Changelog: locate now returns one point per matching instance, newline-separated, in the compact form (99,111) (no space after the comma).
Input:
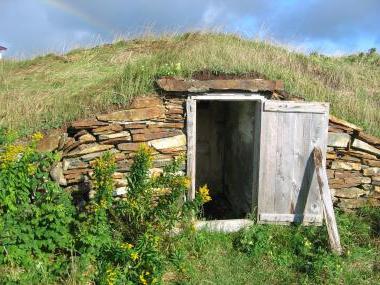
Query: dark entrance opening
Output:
(225,142)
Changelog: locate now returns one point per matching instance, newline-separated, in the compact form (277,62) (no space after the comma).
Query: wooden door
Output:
(288,189)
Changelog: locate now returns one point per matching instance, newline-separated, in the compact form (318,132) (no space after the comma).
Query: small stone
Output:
(331,155)
(330,173)
(87,124)
(56,174)
(121,183)
(147,136)
(87,138)
(345,165)
(371,162)
(366,180)
(121,191)
(118,175)
(358,144)
(367,187)
(92,156)
(377,189)
(345,174)
(338,140)
(129,146)
(376,178)
(171,142)
(73,164)
(89,149)
(370,171)
(174,150)
(153,172)
(109,129)
(134,125)
(124,134)
(338,183)
(352,203)
(351,193)
(62,141)
(49,142)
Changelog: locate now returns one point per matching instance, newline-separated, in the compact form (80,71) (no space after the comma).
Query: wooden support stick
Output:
(332,228)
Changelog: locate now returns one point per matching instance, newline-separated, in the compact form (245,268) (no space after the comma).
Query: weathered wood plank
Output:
(319,133)
(256,156)
(328,208)
(198,86)
(292,218)
(191,120)
(295,107)
(230,97)
(284,154)
(267,166)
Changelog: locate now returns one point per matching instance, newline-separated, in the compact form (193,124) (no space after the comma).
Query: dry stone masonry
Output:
(150,120)
(353,165)
(353,157)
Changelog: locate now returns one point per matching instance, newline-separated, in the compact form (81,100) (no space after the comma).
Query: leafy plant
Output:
(35,214)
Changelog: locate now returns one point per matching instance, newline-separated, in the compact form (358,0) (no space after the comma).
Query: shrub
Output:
(125,237)
(35,214)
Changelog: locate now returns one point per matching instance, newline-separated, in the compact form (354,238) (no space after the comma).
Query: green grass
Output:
(49,91)
(265,254)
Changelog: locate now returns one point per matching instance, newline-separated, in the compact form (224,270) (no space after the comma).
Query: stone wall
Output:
(353,165)
(353,158)
(157,122)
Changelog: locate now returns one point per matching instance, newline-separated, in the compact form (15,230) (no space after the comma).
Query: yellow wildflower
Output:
(11,153)
(111,276)
(142,279)
(126,245)
(204,192)
(134,256)
(187,182)
(37,136)
(32,169)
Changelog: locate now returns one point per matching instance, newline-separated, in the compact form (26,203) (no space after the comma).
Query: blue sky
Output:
(32,27)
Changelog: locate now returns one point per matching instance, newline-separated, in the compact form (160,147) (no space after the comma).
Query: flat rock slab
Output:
(87,124)
(358,144)
(171,142)
(344,123)
(89,149)
(134,114)
(197,86)
(49,142)
(338,139)
(350,193)
(343,165)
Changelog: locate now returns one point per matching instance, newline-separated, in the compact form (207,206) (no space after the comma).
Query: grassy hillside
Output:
(48,91)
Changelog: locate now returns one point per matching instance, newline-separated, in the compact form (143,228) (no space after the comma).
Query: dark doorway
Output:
(225,142)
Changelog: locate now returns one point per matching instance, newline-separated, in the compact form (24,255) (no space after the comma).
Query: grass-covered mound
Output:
(51,90)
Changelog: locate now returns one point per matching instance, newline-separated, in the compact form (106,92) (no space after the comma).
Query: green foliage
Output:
(124,237)
(35,214)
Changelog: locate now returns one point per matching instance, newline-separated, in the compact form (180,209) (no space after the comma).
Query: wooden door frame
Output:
(191,123)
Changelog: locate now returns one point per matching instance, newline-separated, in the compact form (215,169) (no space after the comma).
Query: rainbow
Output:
(68,8)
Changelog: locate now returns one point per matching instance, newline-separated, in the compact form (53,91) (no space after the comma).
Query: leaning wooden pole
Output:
(328,209)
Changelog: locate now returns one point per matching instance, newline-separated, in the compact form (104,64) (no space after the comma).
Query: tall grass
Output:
(48,91)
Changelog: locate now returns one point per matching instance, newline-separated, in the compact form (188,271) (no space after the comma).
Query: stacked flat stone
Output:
(353,165)
(157,122)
